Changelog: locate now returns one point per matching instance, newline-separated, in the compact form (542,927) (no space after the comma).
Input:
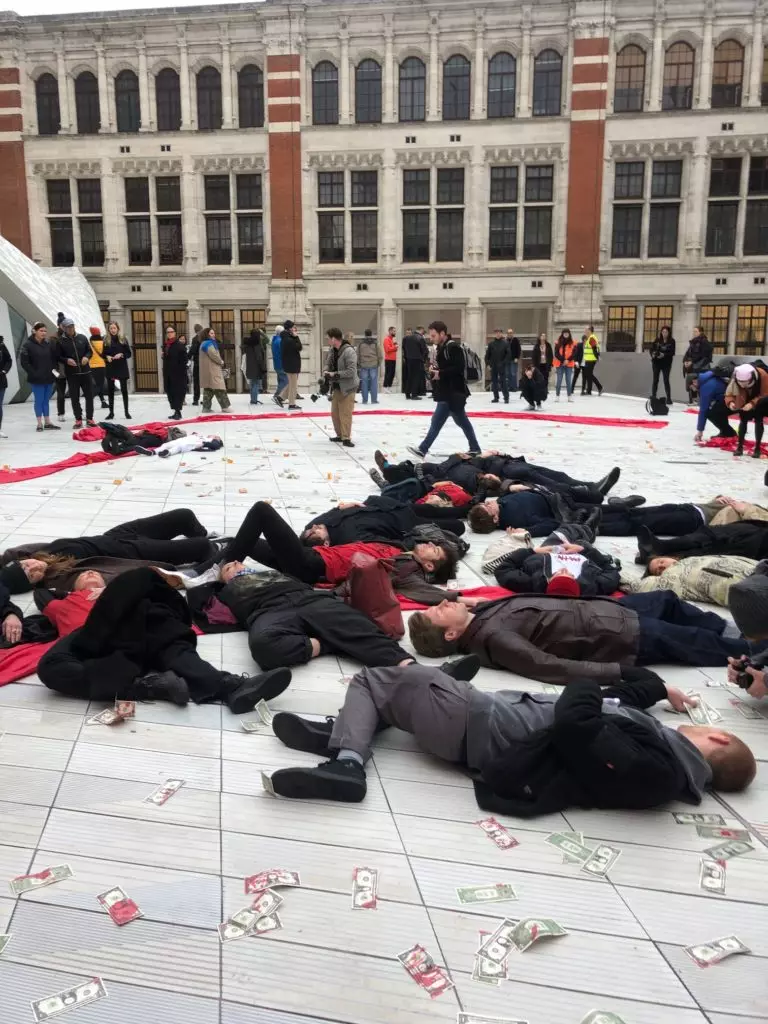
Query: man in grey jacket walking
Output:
(341,371)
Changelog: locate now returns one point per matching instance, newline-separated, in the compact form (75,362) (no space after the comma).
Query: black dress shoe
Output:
(380,459)
(335,439)
(646,543)
(246,692)
(159,686)
(609,480)
(343,781)
(631,501)
(348,443)
(302,733)
(465,668)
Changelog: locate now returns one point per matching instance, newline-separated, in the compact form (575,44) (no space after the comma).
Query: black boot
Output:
(160,686)
(380,459)
(333,780)
(609,480)
(243,693)
(464,669)
(587,494)
(111,415)
(647,546)
(631,501)
(590,519)
(302,733)
(739,449)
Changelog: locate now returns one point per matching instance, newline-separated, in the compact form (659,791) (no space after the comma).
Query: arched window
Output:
(629,92)
(127,103)
(547,83)
(368,92)
(502,75)
(208,99)
(413,90)
(456,79)
(87,104)
(677,93)
(727,74)
(168,96)
(48,112)
(250,97)
(325,93)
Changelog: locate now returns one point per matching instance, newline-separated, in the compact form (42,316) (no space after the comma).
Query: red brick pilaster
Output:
(14,205)
(284,117)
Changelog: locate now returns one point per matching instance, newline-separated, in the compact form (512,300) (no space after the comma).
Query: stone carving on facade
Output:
(67,168)
(338,161)
(223,164)
(641,148)
(429,157)
(146,165)
(738,144)
(532,153)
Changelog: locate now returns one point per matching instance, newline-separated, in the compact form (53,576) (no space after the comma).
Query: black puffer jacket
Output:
(526,572)
(38,360)
(76,347)
(255,349)
(290,350)
(5,364)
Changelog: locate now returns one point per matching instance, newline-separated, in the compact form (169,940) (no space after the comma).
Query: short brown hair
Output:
(429,639)
(481,520)
(733,766)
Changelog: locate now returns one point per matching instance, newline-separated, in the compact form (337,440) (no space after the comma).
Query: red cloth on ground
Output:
(728,444)
(457,494)
(67,614)
(89,434)
(14,476)
(338,557)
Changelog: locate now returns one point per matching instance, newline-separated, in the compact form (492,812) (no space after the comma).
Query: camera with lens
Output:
(323,388)
(744,679)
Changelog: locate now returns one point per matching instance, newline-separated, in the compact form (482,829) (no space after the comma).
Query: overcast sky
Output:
(29,7)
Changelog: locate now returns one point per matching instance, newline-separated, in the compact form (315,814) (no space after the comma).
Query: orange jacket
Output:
(390,348)
(567,351)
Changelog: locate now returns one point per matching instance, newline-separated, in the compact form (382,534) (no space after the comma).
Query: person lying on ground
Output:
(190,443)
(142,542)
(377,518)
(529,570)
(555,638)
(748,603)
(459,469)
(707,578)
(441,493)
(138,644)
(624,517)
(746,539)
(529,753)
(529,507)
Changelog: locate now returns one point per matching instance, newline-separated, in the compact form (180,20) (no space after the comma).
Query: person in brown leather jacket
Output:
(747,394)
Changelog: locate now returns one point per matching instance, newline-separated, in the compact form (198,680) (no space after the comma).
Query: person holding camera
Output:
(748,604)
(341,372)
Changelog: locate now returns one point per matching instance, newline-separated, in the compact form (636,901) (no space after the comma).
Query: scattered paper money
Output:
(602,1017)
(576,837)
(106,717)
(4,940)
(252,725)
(165,792)
(497,946)
(26,883)
(711,876)
(238,925)
(266,784)
(120,908)
(263,712)
(601,860)
(268,923)
(70,999)
(520,936)
(498,834)
(577,851)
(712,713)
(365,887)
(715,832)
(476,1018)
(266,902)
(126,708)
(686,818)
(271,879)
(709,953)
(424,971)
(499,893)
(745,710)
(698,713)
(486,971)
(729,849)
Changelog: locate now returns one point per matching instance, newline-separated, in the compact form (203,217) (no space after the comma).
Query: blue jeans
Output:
(42,396)
(255,389)
(499,380)
(369,382)
(512,376)
(443,410)
(282,381)
(567,372)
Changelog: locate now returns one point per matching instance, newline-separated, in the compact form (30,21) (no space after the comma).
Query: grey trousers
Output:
(420,700)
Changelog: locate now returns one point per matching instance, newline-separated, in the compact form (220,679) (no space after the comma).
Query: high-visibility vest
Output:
(591,349)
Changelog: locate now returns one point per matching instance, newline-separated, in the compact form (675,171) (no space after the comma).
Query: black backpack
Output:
(657,407)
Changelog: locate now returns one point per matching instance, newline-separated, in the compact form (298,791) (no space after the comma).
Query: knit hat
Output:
(744,373)
(14,578)
(96,334)
(67,322)
(288,325)
(748,603)
(563,586)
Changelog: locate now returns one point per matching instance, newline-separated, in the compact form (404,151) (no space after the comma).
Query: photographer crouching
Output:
(341,372)
(748,603)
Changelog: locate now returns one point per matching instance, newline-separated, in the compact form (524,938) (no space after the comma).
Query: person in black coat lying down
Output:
(528,753)
(529,570)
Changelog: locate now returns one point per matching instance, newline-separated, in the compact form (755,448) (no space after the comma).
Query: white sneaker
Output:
(557,398)
(3,437)
(570,398)
(61,418)
(531,408)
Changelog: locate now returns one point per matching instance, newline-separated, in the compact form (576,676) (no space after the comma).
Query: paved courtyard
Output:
(75,794)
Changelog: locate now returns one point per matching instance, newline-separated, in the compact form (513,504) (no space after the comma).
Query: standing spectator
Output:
(449,390)
(514,357)
(747,394)
(74,352)
(277,362)
(341,371)
(5,364)
(578,358)
(542,357)
(591,354)
(698,357)
(117,352)
(564,362)
(390,358)
(62,393)
(176,374)
(415,357)
(497,357)
(168,340)
(368,363)
(533,387)
(662,355)
(290,356)
(98,365)
(39,358)
(255,355)
(194,357)
(212,373)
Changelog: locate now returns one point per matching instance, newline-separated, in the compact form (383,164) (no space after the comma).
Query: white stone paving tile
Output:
(33,752)
(42,723)
(29,785)
(129,800)
(150,766)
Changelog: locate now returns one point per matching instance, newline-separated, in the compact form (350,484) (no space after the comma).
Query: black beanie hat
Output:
(14,578)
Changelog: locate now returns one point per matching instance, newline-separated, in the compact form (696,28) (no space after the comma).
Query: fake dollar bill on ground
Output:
(498,834)
(499,893)
(729,849)
(164,792)
(271,879)
(487,971)
(424,971)
(711,876)
(70,999)
(575,850)
(707,953)
(365,887)
(716,832)
(4,940)
(601,860)
(576,837)
(687,818)
(476,1018)
(120,907)
(519,935)
(27,883)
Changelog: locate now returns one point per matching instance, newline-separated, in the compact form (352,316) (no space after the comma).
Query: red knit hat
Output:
(564,586)
(96,332)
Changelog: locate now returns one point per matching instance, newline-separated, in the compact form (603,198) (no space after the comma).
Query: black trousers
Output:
(718,414)
(81,382)
(268,538)
(112,387)
(660,369)
(390,365)
(414,378)
(757,414)
(667,520)
(588,370)
(748,539)
(529,392)
(61,394)
(152,538)
(500,379)
(195,382)
(99,380)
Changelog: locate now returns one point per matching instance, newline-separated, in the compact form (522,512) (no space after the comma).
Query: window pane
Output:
(725,177)
(416,188)
(365,237)
(750,330)
(87,104)
(456,83)
(502,81)
(139,242)
(216,191)
(169,241)
(537,238)
(630,80)
(666,180)
(756,228)
(168,194)
(89,195)
(92,242)
(168,95)
(249,192)
(416,236)
(547,83)
(209,116)
(677,93)
(727,74)
(62,243)
(250,238)
(325,93)
(714,321)
(450,186)
(330,188)
(758,175)
(502,241)
(127,104)
(539,184)
(59,198)
(764,79)
(48,113)
(504,184)
(662,231)
(627,221)
(218,232)
(450,236)
(250,97)
(413,90)
(654,318)
(721,229)
(331,237)
(629,179)
(621,329)
(137,195)
(368,92)
(365,188)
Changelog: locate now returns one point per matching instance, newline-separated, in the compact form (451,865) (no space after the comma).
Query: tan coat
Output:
(706,578)
(211,367)
(730,515)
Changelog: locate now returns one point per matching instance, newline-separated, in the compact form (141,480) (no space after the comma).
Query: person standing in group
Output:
(542,357)
(514,358)
(564,363)
(415,357)
(390,358)
(98,365)
(176,375)
(5,364)
(662,356)
(38,358)
(747,394)
(341,371)
(255,360)
(281,379)
(449,390)
(698,357)
(290,356)
(212,373)
(368,363)
(193,355)
(168,341)
(61,387)
(497,357)
(590,356)
(74,352)
(117,352)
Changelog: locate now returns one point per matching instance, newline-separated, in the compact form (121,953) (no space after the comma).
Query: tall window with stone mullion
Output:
(416,215)
(502,213)
(539,204)
(365,216)
(628,191)
(60,222)
(756,222)
(664,214)
(47,101)
(169,233)
(368,92)
(127,102)
(250,223)
(456,88)
(723,206)
(218,219)
(325,93)
(137,220)
(502,84)
(330,216)
(90,222)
